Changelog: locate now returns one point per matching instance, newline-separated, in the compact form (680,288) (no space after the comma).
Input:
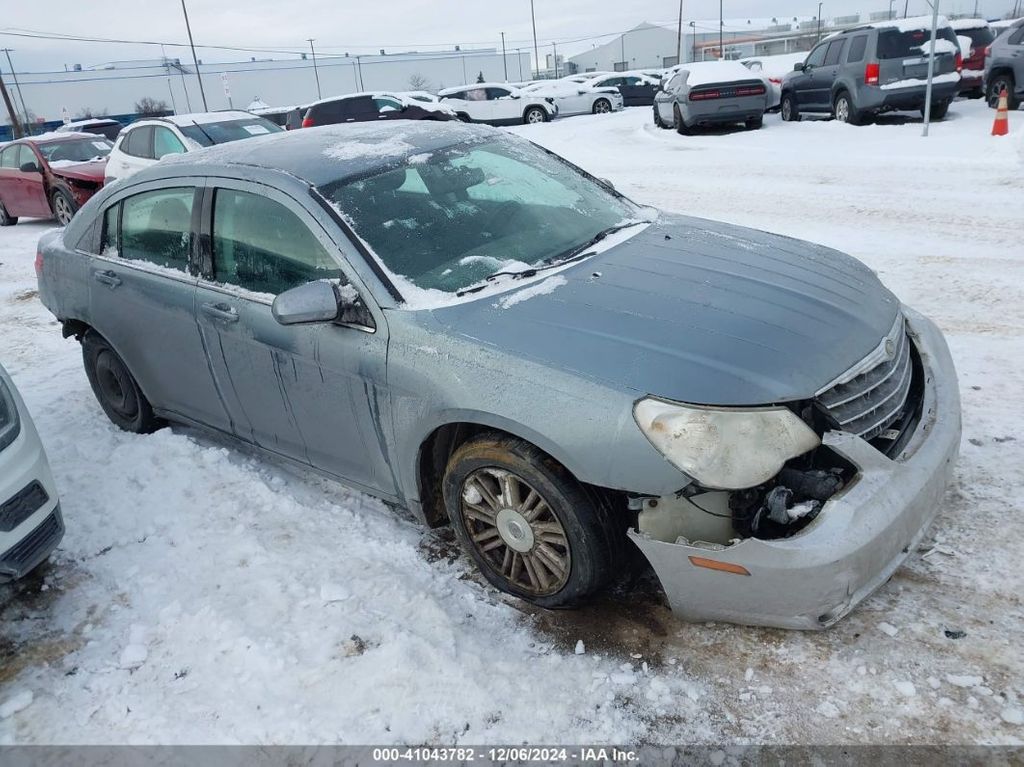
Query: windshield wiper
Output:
(575,253)
(208,136)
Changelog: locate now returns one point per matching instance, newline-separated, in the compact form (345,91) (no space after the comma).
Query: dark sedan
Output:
(371,107)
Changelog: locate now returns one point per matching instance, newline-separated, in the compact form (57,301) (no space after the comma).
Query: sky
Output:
(368,26)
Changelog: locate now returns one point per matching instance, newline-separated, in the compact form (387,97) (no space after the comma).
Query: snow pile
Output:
(392,146)
(543,288)
(709,72)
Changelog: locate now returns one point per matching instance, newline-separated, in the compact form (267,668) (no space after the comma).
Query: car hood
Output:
(81,171)
(694,311)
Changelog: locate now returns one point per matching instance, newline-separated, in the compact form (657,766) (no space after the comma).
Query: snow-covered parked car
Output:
(637,89)
(31,525)
(457,321)
(148,140)
(711,93)
(979,36)
(773,69)
(97,126)
(372,106)
(498,104)
(577,98)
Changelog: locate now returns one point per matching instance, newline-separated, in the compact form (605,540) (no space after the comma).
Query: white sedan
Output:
(498,104)
(772,69)
(30,522)
(577,98)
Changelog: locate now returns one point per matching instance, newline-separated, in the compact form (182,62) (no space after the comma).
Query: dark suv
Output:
(370,107)
(1004,67)
(875,68)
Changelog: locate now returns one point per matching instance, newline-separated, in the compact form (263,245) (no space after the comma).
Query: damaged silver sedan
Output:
(463,324)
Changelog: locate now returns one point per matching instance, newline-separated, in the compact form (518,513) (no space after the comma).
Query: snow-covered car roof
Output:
(470,86)
(725,71)
(53,135)
(561,87)
(959,24)
(906,25)
(202,118)
(70,127)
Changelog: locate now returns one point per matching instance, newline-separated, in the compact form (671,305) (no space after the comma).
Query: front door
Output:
(23,192)
(810,84)
(308,392)
(142,294)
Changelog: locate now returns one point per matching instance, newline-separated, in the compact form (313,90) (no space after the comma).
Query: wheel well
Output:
(839,92)
(997,71)
(433,457)
(75,328)
(531,107)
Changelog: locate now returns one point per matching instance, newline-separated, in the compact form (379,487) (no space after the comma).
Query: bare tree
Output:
(418,82)
(88,113)
(480,78)
(150,106)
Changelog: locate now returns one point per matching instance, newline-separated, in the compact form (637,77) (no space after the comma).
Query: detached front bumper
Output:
(862,535)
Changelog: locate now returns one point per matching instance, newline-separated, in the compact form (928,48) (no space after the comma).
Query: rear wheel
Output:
(5,218)
(602,107)
(534,115)
(529,526)
(754,123)
(996,86)
(63,206)
(939,110)
(678,122)
(658,122)
(116,389)
(844,111)
(788,108)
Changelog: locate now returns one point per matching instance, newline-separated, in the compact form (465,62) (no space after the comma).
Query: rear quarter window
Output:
(857,47)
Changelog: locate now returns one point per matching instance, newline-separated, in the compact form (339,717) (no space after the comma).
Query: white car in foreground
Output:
(772,69)
(30,522)
(146,141)
(498,104)
(577,98)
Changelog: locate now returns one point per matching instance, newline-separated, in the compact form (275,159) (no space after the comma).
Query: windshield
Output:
(207,134)
(893,44)
(453,218)
(75,151)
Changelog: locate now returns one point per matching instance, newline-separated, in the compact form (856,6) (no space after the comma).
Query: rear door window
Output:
(260,245)
(857,48)
(835,50)
(497,93)
(156,227)
(359,107)
(139,142)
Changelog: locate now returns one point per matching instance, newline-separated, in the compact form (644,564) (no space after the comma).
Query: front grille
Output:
(31,550)
(870,400)
(22,506)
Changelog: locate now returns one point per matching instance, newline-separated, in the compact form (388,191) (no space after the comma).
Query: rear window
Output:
(208,134)
(894,44)
(980,36)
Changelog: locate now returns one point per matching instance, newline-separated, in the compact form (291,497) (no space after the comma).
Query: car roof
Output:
(89,121)
(200,118)
(325,154)
(360,94)
(913,24)
(959,24)
(470,86)
(45,138)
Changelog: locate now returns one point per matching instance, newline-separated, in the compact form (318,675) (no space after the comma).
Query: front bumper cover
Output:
(862,535)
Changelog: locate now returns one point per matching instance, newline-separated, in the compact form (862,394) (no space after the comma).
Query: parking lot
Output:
(203,596)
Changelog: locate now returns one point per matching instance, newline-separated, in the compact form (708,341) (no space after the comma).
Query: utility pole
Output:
(679,36)
(17,87)
(693,40)
(819,21)
(890,9)
(195,59)
(931,68)
(536,50)
(503,59)
(316,73)
(554,58)
(721,29)
(906,7)
(15,125)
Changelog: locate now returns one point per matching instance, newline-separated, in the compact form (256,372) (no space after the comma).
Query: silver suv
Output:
(1004,67)
(875,68)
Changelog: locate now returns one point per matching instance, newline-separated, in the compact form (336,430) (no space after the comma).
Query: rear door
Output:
(142,296)
(501,105)
(303,391)
(359,109)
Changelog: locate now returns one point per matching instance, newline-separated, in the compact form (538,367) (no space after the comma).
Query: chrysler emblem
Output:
(890,348)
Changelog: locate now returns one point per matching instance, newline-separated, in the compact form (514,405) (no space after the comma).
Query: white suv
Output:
(145,141)
(30,522)
(498,104)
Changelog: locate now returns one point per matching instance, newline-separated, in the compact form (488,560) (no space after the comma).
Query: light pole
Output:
(554,58)
(679,36)
(316,72)
(693,40)
(503,59)
(17,87)
(819,22)
(721,30)
(195,59)
(536,50)
(890,10)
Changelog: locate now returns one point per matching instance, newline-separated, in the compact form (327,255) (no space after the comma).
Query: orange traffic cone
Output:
(1001,126)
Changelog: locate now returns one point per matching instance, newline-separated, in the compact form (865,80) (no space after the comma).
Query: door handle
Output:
(107,278)
(221,312)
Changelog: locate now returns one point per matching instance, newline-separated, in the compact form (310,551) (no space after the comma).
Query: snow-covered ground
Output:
(201,595)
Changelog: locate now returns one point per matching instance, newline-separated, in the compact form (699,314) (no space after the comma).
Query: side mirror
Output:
(29,167)
(798,67)
(313,302)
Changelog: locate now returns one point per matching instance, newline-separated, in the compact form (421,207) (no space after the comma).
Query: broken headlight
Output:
(10,423)
(724,448)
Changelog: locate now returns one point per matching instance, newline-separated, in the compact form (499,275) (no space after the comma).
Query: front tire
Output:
(788,108)
(5,218)
(115,388)
(534,115)
(530,526)
(64,206)
(602,107)
(997,85)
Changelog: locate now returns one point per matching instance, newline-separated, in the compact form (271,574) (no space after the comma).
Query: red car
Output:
(981,36)
(50,176)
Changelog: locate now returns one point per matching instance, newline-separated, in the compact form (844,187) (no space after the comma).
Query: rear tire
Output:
(115,388)
(844,111)
(5,218)
(63,206)
(996,86)
(678,122)
(939,110)
(658,122)
(534,116)
(531,528)
(754,123)
(602,107)
(788,108)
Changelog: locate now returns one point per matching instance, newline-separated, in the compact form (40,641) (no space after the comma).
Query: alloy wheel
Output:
(602,107)
(515,531)
(62,209)
(535,116)
(787,109)
(843,109)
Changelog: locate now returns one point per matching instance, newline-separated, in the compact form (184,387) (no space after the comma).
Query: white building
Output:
(646,46)
(115,88)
